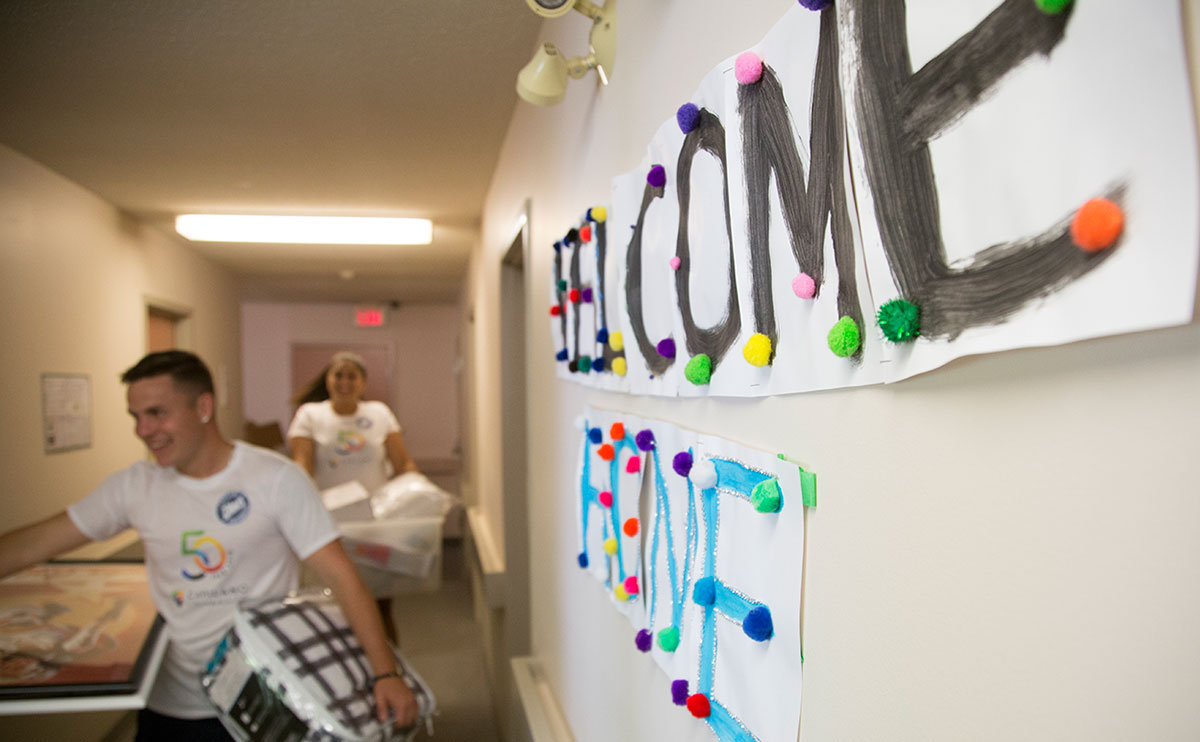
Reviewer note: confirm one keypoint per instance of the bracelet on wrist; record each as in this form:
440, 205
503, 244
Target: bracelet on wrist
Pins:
384, 676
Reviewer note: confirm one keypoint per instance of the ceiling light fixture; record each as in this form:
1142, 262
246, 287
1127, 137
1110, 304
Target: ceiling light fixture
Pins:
544, 80
305, 230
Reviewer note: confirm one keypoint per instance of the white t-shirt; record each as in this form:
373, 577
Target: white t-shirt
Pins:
348, 447
209, 543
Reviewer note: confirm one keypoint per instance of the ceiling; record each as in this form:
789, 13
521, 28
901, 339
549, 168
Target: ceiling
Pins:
354, 107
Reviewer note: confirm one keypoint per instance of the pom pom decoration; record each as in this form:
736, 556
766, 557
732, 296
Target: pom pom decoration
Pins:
610, 546
679, 692
630, 527
703, 474
618, 366
597, 213
1097, 225
572, 236
644, 439
688, 117
748, 68
616, 341
634, 465
698, 370
900, 320
573, 366
585, 233
620, 593
556, 310
617, 431
573, 296
631, 585
668, 639
804, 286
766, 497
586, 295
606, 452
816, 4
644, 640
561, 355
585, 364
699, 706
674, 262
597, 364
844, 338
682, 463
705, 591
583, 560
562, 284
605, 498
558, 246
757, 350
602, 336
1051, 7
595, 435
758, 625
666, 347
657, 177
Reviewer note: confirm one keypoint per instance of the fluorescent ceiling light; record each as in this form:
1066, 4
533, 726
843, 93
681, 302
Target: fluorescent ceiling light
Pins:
307, 230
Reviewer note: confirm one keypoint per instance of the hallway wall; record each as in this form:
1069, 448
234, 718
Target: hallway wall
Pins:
1004, 548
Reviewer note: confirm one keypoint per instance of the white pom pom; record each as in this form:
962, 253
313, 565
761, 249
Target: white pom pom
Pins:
703, 474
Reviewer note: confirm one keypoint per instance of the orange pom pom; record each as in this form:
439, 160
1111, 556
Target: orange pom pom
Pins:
617, 431
631, 527
1097, 225
606, 452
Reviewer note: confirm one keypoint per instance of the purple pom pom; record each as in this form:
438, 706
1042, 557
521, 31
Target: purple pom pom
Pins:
666, 347
682, 463
644, 640
688, 117
586, 295
657, 177
644, 439
757, 624
679, 692
595, 435
816, 4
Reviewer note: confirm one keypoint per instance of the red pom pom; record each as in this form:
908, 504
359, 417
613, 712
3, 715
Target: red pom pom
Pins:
573, 295
634, 465
585, 233
698, 704
556, 310
606, 452
617, 431
631, 527
1097, 225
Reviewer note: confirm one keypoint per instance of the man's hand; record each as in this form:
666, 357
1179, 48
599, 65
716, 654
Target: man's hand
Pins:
393, 695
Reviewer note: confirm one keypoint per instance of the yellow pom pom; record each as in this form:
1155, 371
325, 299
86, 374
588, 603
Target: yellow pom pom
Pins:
758, 350
618, 366
621, 594
616, 341
610, 546
599, 213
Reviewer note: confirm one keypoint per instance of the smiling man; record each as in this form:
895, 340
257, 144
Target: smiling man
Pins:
221, 521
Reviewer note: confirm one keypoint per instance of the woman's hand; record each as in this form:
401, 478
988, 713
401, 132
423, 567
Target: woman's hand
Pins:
394, 698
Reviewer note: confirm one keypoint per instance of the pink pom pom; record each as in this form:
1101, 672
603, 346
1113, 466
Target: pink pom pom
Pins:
748, 68
634, 465
674, 262
605, 498
804, 286
631, 585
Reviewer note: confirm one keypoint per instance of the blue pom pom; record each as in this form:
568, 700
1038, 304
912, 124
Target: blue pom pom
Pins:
816, 4
705, 592
598, 364
561, 355
688, 117
558, 246
595, 435
583, 560
758, 625
602, 336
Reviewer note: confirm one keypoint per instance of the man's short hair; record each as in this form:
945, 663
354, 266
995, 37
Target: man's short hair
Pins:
188, 372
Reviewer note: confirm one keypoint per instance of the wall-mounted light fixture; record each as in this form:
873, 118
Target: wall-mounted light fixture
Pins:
544, 80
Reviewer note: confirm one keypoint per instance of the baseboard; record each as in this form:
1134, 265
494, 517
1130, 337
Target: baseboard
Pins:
542, 712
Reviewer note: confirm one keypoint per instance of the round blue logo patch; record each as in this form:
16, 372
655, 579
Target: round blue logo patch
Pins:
233, 508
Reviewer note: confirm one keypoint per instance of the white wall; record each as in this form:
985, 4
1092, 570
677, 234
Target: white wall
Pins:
1004, 548
422, 339
75, 277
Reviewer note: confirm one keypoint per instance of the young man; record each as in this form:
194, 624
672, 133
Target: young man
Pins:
220, 521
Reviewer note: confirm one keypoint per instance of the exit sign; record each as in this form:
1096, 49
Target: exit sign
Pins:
370, 316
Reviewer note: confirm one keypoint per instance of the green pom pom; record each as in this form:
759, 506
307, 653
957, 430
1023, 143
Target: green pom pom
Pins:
900, 320
585, 363
698, 370
562, 285
844, 338
766, 497
668, 639
1052, 7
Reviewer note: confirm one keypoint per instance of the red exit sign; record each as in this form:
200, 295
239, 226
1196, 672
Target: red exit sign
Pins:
369, 316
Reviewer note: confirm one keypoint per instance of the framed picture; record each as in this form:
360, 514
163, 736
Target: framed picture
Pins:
76, 629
